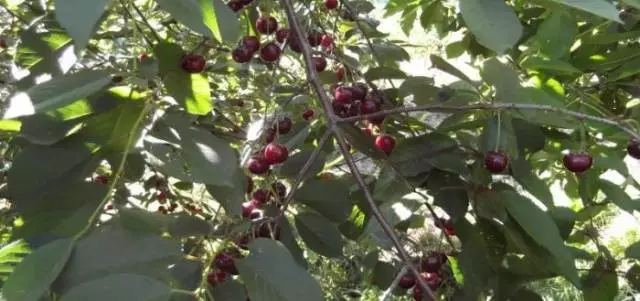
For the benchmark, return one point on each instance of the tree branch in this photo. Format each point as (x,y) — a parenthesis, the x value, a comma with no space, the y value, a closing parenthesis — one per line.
(394,284)
(332,119)
(494,106)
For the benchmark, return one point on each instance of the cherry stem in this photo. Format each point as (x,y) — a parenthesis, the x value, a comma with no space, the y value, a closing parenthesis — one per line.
(497,146)
(312,76)
(387,293)
(583,138)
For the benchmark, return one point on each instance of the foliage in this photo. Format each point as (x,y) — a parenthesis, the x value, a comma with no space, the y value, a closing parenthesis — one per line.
(188,150)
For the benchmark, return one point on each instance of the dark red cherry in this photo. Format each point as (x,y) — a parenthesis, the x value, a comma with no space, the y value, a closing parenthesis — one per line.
(314,38)
(275,153)
(331,4)
(385,143)
(577,162)
(308,114)
(432,279)
(294,44)
(359,91)
(407,281)
(495,162)
(266,25)
(282,35)
(248,208)
(235,6)
(633,149)
(432,263)
(270,135)
(252,43)
(270,52)
(101,179)
(320,63)
(343,95)
(260,196)
(215,277)
(193,63)
(257,165)
(327,42)
(285,125)
(241,54)
(226,261)
(370,107)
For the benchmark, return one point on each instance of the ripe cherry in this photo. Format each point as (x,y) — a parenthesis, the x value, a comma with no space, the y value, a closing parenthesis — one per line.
(235,6)
(308,114)
(101,179)
(326,42)
(577,162)
(359,91)
(226,261)
(340,74)
(432,279)
(143,56)
(252,43)
(276,153)
(417,294)
(269,135)
(193,63)
(215,277)
(282,35)
(260,196)
(407,281)
(432,263)
(241,54)
(633,149)
(320,63)
(285,125)
(369,107)
(385,143)
(495,162)
(257,165)
(266,25)
(248,208)
(343,95)
(331,4)
(446,225)
(161,196)
(314,38)
(368,132)
(270,52)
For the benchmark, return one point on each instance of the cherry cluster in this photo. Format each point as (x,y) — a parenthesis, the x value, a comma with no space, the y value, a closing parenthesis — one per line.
(433,269)
(237,5)
(273,153)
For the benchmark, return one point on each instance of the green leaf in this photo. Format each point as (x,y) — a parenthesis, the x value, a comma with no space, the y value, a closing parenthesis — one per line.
(39,51)
(474,260)
(29,281)
(394,213)
(601,284)
(79,18)
(270,274)
(565,219)
(289,240)
(205,17)
(532,95)
(419,154)
(202,157)
(502,77)
(600,8)
(191,90)
(443,65)
(454,201)
(550,65)
(384,73)
(10,255)
(494,23)
(111,249)
(618,196)
(633,276)
(319,234)
(634,3)
(230,197)
(293,165)
(185,225)
(526,295)
(421,88)
(229,290)
(57,93)
(523,173)
(330,198)
(541,227)
(391,51)
(552,42)
(125,287)
(633,251)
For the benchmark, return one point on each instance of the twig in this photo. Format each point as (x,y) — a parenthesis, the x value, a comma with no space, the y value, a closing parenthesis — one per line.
(387,293)
(494,106)
(153,31)
(305,169)
(332,119)
(135,22)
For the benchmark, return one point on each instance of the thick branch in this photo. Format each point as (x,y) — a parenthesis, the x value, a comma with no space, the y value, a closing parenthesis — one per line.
(312,76)
(494,106)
